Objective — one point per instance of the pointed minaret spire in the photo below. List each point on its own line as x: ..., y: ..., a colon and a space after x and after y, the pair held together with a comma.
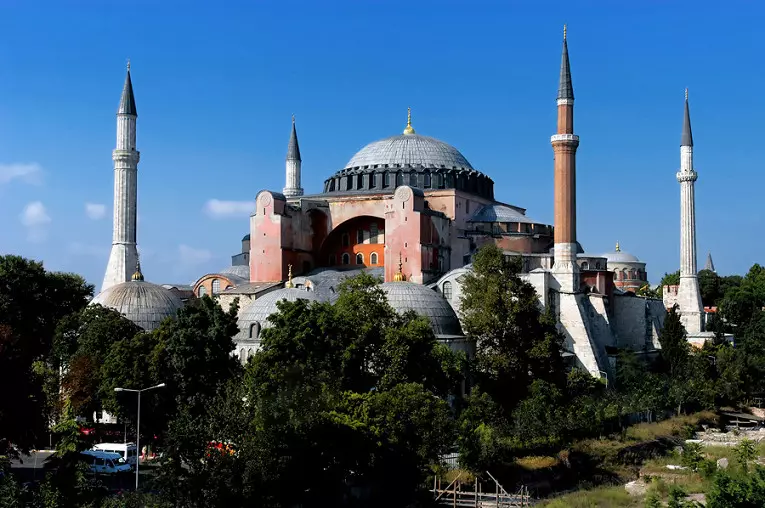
x: 123, y: 259
x: 127, y: 101
x: 293, y: 166
x: 565, y: 87
x: 689, y: 292
x: 687, y: 138
x: 710, y: 265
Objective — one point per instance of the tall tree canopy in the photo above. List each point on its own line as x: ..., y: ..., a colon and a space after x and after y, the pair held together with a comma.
x: 32, y: 301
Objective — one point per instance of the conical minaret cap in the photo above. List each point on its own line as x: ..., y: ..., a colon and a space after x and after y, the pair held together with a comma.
x: 127, y: 101
x: 565, y: 87
x: 687, y: 138
x: 293, y: 149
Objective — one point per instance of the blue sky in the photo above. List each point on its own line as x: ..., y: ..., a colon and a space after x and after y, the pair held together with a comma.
x: 217, y: 82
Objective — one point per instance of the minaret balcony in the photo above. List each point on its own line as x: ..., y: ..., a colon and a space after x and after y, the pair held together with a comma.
x: 126, y: 155
x: 687, y: 176
x: 571, y: 138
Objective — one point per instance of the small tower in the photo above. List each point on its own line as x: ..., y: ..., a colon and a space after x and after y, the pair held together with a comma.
x: 710, y: 265
x: 293, y: 166
x: 124, y: 254
x: 688, y: 294
x: 565, y: 143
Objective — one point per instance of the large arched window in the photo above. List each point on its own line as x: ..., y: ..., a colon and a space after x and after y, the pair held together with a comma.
x: 346, y: 258
x: 373, y: 258
x: 373, y: 233
x: 215, y: 286
x: 447, y: 290
x: 359, y: 258
x: 202, y: 291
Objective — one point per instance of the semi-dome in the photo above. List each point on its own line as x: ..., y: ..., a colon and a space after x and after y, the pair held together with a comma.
x: 143, y: 303
x: 404, y: 296
x: 409, y: 150
x: 239, y: 271
x: 254, y: 317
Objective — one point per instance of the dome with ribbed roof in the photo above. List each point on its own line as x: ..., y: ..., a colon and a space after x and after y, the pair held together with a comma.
x: 256, y: 313
x: 410, y: 150
x: 143, y: 303
x: 404, y: 296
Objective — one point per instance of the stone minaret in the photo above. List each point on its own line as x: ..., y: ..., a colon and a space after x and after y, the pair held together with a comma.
x: 688, y: 294
x: 293, y: 188
x: 564, y: 144
x: 124, y: 255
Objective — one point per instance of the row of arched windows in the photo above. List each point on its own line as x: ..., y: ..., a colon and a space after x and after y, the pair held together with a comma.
x: 202, y: 290
x: 450, y: 179
x: 245, y: 354
x: 345, y: 259
x: 632, y: 274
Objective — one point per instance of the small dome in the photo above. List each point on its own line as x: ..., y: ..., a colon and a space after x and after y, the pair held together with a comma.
x: 143, y: 303
x: 620, y: 257
x: 404, y: 296
x: 410, y: 150
x: 241, y: 271
x: 246, y: 238
x: 259, y: 310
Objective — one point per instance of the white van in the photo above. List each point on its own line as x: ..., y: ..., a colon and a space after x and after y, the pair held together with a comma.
x: 105, y: 463
x: 128, y: 451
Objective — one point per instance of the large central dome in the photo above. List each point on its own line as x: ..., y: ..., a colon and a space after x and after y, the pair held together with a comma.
x: 408, y: 159
x: 409, y: 150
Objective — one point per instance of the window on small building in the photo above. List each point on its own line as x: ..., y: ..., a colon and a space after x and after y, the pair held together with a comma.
x: 585, y: 266
x: 201, y: 291
x: 597, y: 265
x: 346, y: 239
x: 215, y: 286
x: 346, y: 258
x: 254, y: 330
x: 359, y: 258
x: 447, y: 290
x: 373, y: 258
x: 241, y: 355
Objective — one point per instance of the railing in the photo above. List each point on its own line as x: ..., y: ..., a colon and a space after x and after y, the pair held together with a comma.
x: 453, y: 495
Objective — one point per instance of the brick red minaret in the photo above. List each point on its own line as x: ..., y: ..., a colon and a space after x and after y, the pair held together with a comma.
x: 564, y: 144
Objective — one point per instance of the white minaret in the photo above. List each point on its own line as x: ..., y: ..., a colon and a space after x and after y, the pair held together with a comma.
x: 688, y: 295
x: 124, y: 255
x: 293, y: 166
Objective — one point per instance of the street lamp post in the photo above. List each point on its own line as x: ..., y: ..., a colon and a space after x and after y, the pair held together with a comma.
x: 138, y: 425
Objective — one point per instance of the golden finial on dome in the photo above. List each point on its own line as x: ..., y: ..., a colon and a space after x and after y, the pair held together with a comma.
x: 399, y: 277
x: 618, y: 249
x: 564, y: 31
x: 289, y: 284
x: 409, y: 129
x: 137, y: 275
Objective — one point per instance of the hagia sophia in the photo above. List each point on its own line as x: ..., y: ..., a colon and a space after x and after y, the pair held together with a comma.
x: 412, y: 210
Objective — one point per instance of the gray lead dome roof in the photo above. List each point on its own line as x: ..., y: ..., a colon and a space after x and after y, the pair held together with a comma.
x: 143, y: 303
x: 404, y: 296
x: 259, y: 310
x: 410, y: 150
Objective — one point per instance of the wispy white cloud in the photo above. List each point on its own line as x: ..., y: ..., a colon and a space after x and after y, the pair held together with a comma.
x: 219, y: 209
x: 35, y: 218
x: 189, y: 256
x: 83, y: 249
x: 95, y: 211
x: 26, y: 172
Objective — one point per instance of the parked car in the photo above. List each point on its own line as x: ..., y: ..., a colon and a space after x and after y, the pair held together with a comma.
x: 128, y: 451
x: 104, y: 462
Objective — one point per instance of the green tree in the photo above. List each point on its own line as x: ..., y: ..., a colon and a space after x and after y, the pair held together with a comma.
x: 515, y: 343
x: 675, y: 349
x: 32, y: 301
x: 709, y: 285
x: 740, y: 491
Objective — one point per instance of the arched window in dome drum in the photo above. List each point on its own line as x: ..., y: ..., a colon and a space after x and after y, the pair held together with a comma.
x: 386, y: 179
x: 249, y: 353
x: 241, y: 355
x: 346, y: 258
x: 440, y: 181
x: 254, y: 330
x: 426, y: 180
x: 215, y: 286
x: 201, y: 291
x: 372, y: 180
x: 349, y: 182
x: 359, y: 258
x: 585, y: 266
x: 359, y: 182
x: 373, y: 258
x: 450, y: 180
x: 413, y: 179
x: 447, y: 291
x: 399, y: 178
x: 332, y: 185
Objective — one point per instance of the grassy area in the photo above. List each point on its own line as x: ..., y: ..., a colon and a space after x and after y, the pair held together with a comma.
x: 603, y: 497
